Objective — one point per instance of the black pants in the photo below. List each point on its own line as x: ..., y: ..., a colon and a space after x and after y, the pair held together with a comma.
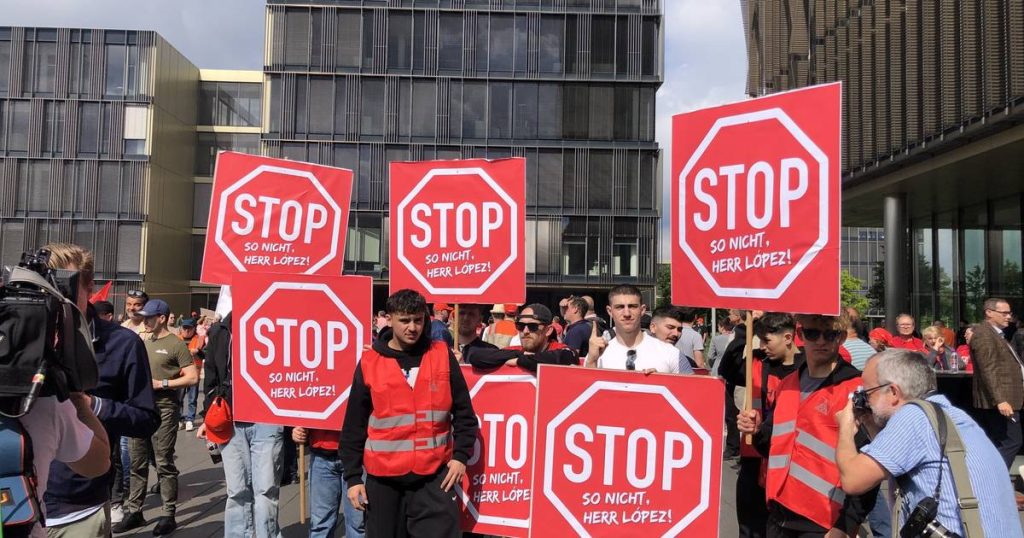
x: 751, y: 507
x: 732, y: 435
x: 783, y: 523
x: 420, y: 509
x: 1003, y: 432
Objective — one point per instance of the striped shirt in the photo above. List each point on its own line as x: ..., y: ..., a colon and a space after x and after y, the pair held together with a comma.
x: 908, y: 447
x: 859, y: 352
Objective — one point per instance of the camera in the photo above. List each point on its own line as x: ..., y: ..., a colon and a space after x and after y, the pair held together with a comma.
x: 66, y: 282
x: 860, y: 400
x: 922, y: 522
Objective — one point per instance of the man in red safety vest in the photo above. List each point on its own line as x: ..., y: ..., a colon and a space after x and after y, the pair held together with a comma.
x: 799, y: 437
x: 410, y: 426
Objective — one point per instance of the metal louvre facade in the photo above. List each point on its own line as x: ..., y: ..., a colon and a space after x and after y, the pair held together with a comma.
x: 568, y: 84
x: 915, y: 72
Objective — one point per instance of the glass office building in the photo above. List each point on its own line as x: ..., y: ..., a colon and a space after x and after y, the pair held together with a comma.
x: 933, y: 138
x: 568, y: 84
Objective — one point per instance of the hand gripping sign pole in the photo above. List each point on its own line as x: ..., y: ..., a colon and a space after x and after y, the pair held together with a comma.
x: 748, y: 358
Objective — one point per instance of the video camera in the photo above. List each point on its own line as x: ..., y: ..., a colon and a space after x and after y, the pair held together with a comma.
x: 45, y: 342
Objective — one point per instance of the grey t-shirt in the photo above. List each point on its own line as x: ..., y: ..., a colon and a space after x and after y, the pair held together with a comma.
x: 690, y: 341
x: 809, y: 384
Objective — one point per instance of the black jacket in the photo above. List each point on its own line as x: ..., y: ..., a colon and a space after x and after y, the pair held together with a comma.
x: 217, y: 368
x: 855, y: 507
x: 123, y: 401
x: 360, y: 405
x: 486, y: 359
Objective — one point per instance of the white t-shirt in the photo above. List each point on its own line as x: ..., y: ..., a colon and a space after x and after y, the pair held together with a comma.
x: 650, y: 353
x: 56, y: 434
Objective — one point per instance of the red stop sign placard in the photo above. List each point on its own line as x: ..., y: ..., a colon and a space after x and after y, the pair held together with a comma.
x: 457, y: 230
x: 620, y: 454
x: 755, y: 217
x: 274, y: 215
x: 296, y: 343
x: 496, y: 491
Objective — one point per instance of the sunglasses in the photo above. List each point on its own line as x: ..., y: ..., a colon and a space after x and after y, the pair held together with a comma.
x: 631, y: 359
x: 813, y: 335
x: 136, y: 294
x: 534, y: 327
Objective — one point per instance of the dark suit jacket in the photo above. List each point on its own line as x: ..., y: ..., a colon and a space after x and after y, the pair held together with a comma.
x: 997, y: 374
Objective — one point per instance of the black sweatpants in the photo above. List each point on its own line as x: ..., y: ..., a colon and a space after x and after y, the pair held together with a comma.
x: 751, y: 506
x: 732, y: 435
x: 785, y: 524
x: 420, y: 509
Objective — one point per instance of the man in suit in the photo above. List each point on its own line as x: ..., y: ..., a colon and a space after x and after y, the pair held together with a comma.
x: 998, y: 380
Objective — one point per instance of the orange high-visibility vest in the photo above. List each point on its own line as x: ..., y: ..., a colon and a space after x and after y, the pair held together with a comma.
x: 409, y: 428
x: 802, y: 471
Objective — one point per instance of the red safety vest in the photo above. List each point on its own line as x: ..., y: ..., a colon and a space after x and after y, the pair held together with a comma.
x: 325, y: 440
x: 409, y: 428
x: 802, y: 471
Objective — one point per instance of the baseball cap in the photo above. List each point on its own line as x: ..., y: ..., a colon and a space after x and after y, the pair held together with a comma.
x: 441, y: 307
x: 881, y: 335
x: 498, y: 309
x: 510, y: 309
x: 188, y: 322
x: 540, y: 313
x: 219, y: 426
x: 156, y: 307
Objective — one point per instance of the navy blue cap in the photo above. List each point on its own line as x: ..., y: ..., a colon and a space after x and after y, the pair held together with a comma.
x: 155, y: 307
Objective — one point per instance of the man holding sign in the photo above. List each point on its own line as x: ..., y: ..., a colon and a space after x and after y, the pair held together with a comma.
x: 630, y: 349
x: 410, y: 425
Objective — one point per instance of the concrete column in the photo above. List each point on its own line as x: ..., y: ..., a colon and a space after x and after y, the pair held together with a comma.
x: 897, y: 269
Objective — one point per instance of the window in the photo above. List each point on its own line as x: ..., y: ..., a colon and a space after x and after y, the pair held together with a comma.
x: 38, y: 187
x: 622, y: 42
x: 348, y: 39
x: 17, y: 133
x: 129, y: 248
x: 549, y: 124
x: 12, y: 242
x: 296, y: 37
x: 626, y: 114
x: 53, y: 128
x: 549, y: 178
x: 115, y: 70
x: 373, y: 107
x: 132, y: 70
x: 5, y: 66
x: 399, y: 41
x: 574, y: 258
x: 624, y: 259
x: 321, y: 92
x: 525, y: 111
x: 500, y: 110
x: 230, y: 103
x: 423, y: 107
x: 201, y: 204
x: 419, y: 41
x: 368, y: 40
x: 552, y: 35
x: 455, y: 109
x: 136, y: 126
x: 450, y: 42
x: 570, y: 43
x: 340, y: 106
x: 198, y: 247
x: 649, y: 50
x: 521, y: 44
x: 363, y: 245
x: 474, y: 112
x: 110, y: 182
x: 208, y: 144
x: 576, y: 111
x: 501, y: 54
x: 482, y: 41
x: 45, y: 69
x: 602, y: 106
x: 602, y: 45
x: 599, y: 187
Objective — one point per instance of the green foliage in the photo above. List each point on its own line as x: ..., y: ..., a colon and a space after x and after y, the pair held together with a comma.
x: 663, y: 291
x: 850, y: 294
x: 876, y: 292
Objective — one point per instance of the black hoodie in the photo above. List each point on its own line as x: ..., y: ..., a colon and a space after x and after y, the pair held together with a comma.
x: 360, y: 405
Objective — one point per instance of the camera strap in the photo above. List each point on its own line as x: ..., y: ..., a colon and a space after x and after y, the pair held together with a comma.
x: 952, y: 450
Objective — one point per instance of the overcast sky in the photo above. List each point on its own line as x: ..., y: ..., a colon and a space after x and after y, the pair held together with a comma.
x: 705, y: 62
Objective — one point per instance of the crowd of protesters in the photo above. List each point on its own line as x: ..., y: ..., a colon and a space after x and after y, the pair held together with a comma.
x: 808, y: 462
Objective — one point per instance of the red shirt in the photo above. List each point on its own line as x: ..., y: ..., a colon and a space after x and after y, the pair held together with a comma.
x: 907, y: 342
x: 964, y: 352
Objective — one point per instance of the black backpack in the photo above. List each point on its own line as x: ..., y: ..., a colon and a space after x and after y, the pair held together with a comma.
x: 19, y: 504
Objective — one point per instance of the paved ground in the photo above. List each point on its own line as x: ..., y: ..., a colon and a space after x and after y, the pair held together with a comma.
x: 201, y: 498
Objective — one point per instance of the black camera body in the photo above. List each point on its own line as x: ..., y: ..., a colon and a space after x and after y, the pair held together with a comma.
x: 921, y: 523
x: 860, y: 400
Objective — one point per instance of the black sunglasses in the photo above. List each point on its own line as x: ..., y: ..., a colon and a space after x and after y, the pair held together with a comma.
x: 137, y: 294
x: 813, y: 335
x: 631, y: 359
x: 534, y: 327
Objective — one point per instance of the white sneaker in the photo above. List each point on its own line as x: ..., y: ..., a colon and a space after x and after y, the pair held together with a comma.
x: 189, y: 426
x: 116, y: 514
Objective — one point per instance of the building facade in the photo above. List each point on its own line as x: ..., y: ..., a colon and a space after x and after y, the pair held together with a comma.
x: 933, y: 138
x: 95, y: 134
x: 568, y: 84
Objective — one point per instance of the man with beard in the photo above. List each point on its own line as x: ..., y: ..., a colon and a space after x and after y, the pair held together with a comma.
x: 666, y: 325
x: 538, y: 344
x: 905, y: 448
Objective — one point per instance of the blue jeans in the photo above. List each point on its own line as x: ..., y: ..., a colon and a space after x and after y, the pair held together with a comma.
x: 188, y: 406
x: 126, y: 463
x: 326, y: 492
x: 252, y: 467
x: 880, y: 518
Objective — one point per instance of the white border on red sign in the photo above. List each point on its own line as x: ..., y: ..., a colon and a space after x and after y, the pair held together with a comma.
x: 762, y: 115
x: 243, y: 354
x: 400, y: 227
x: 494, y: 520
x: 549, y: 450
x: 222, y: 213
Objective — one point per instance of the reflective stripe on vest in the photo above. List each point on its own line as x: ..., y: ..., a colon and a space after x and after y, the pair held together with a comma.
x: 802, y: 474
x: 409, y: 429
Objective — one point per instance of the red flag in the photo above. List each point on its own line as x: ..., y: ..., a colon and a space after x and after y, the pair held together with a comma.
x: 102, y: 294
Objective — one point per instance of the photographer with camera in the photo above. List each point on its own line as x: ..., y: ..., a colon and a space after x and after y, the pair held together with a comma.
x: 46, y: 361
x: 122, y: 400
x: 939, y: 459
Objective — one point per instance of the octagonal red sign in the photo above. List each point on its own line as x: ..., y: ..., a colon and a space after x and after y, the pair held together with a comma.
x: 756, y: 204
x: 457, y: 230
x: 496, y: 491
x: 621, y: 454
x: 274, y: 215
x: 295, y: 344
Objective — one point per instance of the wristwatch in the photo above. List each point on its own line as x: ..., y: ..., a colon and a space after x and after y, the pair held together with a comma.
x: 164, y: 384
